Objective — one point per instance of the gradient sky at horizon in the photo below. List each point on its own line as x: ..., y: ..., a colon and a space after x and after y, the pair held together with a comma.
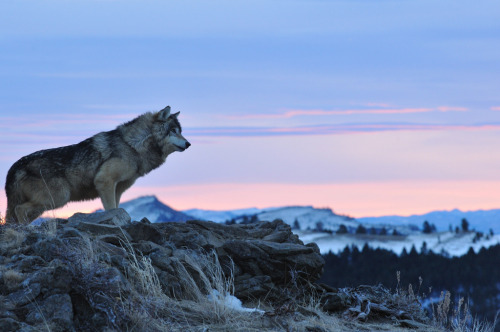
x: 368, y: 107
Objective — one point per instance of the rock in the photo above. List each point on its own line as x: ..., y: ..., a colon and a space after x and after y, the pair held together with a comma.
x: 57, y: 309
x: 9, y: 324
x: 116, y: 239
x: 147, y: 247
x: 247, y: 286
x: 115, y: 217
x: 100, y: 229
x: 333, y: 302
x: 71, y: 232
x: 161, y: 258
x: 48, y: 248
x: 145, y: 232
x: 412, y: 324
x: 25, y: 295
x: 30, y: 263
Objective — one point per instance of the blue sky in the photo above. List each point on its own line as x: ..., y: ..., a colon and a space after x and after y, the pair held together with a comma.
x: 364, y: 106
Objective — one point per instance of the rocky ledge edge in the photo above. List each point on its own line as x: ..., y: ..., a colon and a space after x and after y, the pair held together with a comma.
x: 103, y: 272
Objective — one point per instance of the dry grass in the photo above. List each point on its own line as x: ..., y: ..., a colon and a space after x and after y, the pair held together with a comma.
x: 12, y: 279
x: 445, y: 315
x: 11, y: 239
x: 458, y: 318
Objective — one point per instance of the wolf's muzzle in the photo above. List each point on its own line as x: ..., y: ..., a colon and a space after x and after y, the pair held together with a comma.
x: 182, y: 148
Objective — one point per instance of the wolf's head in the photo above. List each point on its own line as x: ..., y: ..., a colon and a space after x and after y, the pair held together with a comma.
x: 168, y: 132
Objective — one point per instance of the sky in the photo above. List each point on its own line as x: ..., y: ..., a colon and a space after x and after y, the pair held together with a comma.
x: 367, y: 107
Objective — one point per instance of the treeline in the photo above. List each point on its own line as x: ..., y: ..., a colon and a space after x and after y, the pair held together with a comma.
x: 474, y: 276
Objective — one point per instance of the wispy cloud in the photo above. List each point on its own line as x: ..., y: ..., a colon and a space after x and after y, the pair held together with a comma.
x: 495, y: 108
x: 320, y: 112
x: 331, y: 129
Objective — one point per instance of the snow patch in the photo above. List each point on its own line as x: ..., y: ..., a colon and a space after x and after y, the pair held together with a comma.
x: 231, y: 302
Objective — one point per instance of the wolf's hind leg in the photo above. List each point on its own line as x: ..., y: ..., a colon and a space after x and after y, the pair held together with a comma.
x: 28, y: 212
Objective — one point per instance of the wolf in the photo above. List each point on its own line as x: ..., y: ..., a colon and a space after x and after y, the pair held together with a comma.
x: 104, y: 166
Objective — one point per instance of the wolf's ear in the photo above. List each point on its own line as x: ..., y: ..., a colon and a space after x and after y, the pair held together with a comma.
x: 175, y: 115
x: 164, y: 114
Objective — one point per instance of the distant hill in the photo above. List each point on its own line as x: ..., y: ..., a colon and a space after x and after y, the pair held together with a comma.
x: 305, y: 217
x: 481, y: 220
x: 151, y: 208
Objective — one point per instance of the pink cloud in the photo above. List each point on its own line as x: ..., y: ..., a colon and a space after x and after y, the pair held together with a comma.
x: 495, y: 108
x: 331, y: 129
x: 384, y: 110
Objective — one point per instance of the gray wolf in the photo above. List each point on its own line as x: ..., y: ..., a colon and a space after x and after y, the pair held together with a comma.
x: 104, y: 165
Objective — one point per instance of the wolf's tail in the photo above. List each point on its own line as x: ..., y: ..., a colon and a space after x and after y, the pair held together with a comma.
x: 12, y: 198
x: 10, y: 215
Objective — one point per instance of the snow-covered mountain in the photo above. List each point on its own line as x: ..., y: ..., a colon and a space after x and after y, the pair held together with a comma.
x: 481, y: 220
x: 151, y: 208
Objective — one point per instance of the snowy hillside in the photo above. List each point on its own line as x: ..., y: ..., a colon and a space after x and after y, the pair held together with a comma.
x: 445, y: 242
x: 309, y: 217
x: 151, y: 208
x: 222, y: 216
x: 481, y: 220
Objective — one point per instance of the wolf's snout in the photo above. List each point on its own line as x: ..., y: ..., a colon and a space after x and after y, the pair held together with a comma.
x: 187, y: 145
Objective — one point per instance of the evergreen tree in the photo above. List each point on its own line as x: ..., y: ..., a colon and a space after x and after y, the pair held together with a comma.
x: 342, y: 229
x: 424, y: 249
x: 465, y: 225
x: 426, y: 229
x: 383, y: 231
x: 296, y: 224
x: 361, y: 230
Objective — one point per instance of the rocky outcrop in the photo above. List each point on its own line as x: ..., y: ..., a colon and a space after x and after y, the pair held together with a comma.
x: 102, y: 271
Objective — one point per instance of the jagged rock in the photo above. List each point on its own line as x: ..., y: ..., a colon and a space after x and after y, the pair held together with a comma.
x: 116, y: 217
x: 100, y: 229
x: 161, y: 258
x: 57, y: 309
x: 25, y: 295
x: 30, y: 263
x: 247, y: 286
x: 142, y: 231
x: 333, y: 302
x: 9, y: 324
x: 71, y: 232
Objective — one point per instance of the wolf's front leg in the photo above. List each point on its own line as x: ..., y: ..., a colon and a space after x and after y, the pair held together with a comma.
x: 106, y: 188
x: 121, y: 187
x: 107, y: 193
